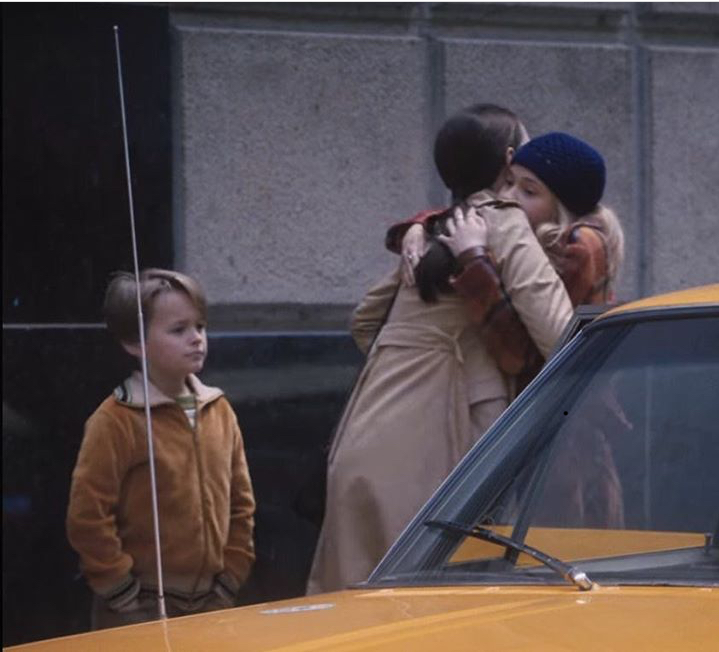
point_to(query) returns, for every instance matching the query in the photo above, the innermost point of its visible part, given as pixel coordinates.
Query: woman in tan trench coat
(558, 180)
(430, 388)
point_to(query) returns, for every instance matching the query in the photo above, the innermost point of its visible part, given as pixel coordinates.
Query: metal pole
(143, 350)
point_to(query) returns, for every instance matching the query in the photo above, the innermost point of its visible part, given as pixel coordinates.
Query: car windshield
(608, 461)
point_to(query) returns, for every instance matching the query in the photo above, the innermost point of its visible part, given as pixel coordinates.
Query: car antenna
(143, 350)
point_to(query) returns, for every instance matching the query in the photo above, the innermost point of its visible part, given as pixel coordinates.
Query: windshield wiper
(573, 575)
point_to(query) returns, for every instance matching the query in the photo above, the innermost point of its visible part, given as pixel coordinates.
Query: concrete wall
(304, 130)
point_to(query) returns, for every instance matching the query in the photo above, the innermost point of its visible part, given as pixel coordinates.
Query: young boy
(204, 494)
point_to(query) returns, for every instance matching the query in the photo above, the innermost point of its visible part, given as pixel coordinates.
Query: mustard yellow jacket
(205, 498)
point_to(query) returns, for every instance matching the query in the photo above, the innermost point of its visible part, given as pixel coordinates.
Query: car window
(610, 461)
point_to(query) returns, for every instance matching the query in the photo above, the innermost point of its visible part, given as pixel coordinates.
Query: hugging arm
(409, 239)
(490, 308)
(480, 285)
(582, 268)
(531, 282)
(514, 295)
(396, 232)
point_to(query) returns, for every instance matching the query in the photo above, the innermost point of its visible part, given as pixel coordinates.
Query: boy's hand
(124, 597)
(226, 588)
(466, 231)
(414, 245)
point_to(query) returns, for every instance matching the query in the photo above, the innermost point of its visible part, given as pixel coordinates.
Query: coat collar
(489, 197)
(132, 394)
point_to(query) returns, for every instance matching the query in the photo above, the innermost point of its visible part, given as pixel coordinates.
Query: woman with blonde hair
(558, 180)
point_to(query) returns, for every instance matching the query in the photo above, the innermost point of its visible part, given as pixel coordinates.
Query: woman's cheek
(534, 213)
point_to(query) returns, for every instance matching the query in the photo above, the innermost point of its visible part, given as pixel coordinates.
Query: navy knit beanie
(571, 169)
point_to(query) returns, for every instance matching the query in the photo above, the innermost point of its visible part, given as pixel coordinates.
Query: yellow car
(587, 518)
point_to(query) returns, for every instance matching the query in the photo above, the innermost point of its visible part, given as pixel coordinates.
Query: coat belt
(419, 336)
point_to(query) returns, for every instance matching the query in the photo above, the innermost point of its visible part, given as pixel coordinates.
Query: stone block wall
(303, 130)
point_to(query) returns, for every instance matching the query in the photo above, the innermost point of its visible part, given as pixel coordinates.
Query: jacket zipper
(201, 479)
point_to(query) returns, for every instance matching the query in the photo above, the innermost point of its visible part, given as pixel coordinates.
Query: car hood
(473, 618)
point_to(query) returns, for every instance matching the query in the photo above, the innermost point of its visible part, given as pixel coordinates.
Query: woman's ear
(509, 156)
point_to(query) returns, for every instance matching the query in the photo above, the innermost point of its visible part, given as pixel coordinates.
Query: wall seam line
(641, 92)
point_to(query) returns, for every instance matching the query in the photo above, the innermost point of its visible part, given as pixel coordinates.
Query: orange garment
(205, 498)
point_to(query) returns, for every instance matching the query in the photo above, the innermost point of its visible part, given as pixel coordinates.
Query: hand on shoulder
(466, 230)
(414, 245)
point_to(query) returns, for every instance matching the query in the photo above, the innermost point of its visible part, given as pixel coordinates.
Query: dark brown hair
(470, 153)
(120, 307)
(471, 147)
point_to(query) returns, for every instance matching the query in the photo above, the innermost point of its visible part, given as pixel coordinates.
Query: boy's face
(176, 338)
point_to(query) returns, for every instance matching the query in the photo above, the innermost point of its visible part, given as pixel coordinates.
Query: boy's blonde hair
(550, 233)
(120, 307)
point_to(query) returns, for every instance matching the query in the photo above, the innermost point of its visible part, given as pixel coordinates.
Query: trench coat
(428, 390)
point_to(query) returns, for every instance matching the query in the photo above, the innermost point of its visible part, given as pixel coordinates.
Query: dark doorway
(65, 205)
(65, 228)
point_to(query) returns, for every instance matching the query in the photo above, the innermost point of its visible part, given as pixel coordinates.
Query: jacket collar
(132, 394)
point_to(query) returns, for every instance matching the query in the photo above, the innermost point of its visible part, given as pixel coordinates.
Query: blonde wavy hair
(604, 218)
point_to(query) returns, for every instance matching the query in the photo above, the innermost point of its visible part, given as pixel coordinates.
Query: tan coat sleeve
(533, 286)
(239, 552)
(104, 458)
(370, 314)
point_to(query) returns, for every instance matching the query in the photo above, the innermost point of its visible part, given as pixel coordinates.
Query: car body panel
(423, 618)
(703, 295)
